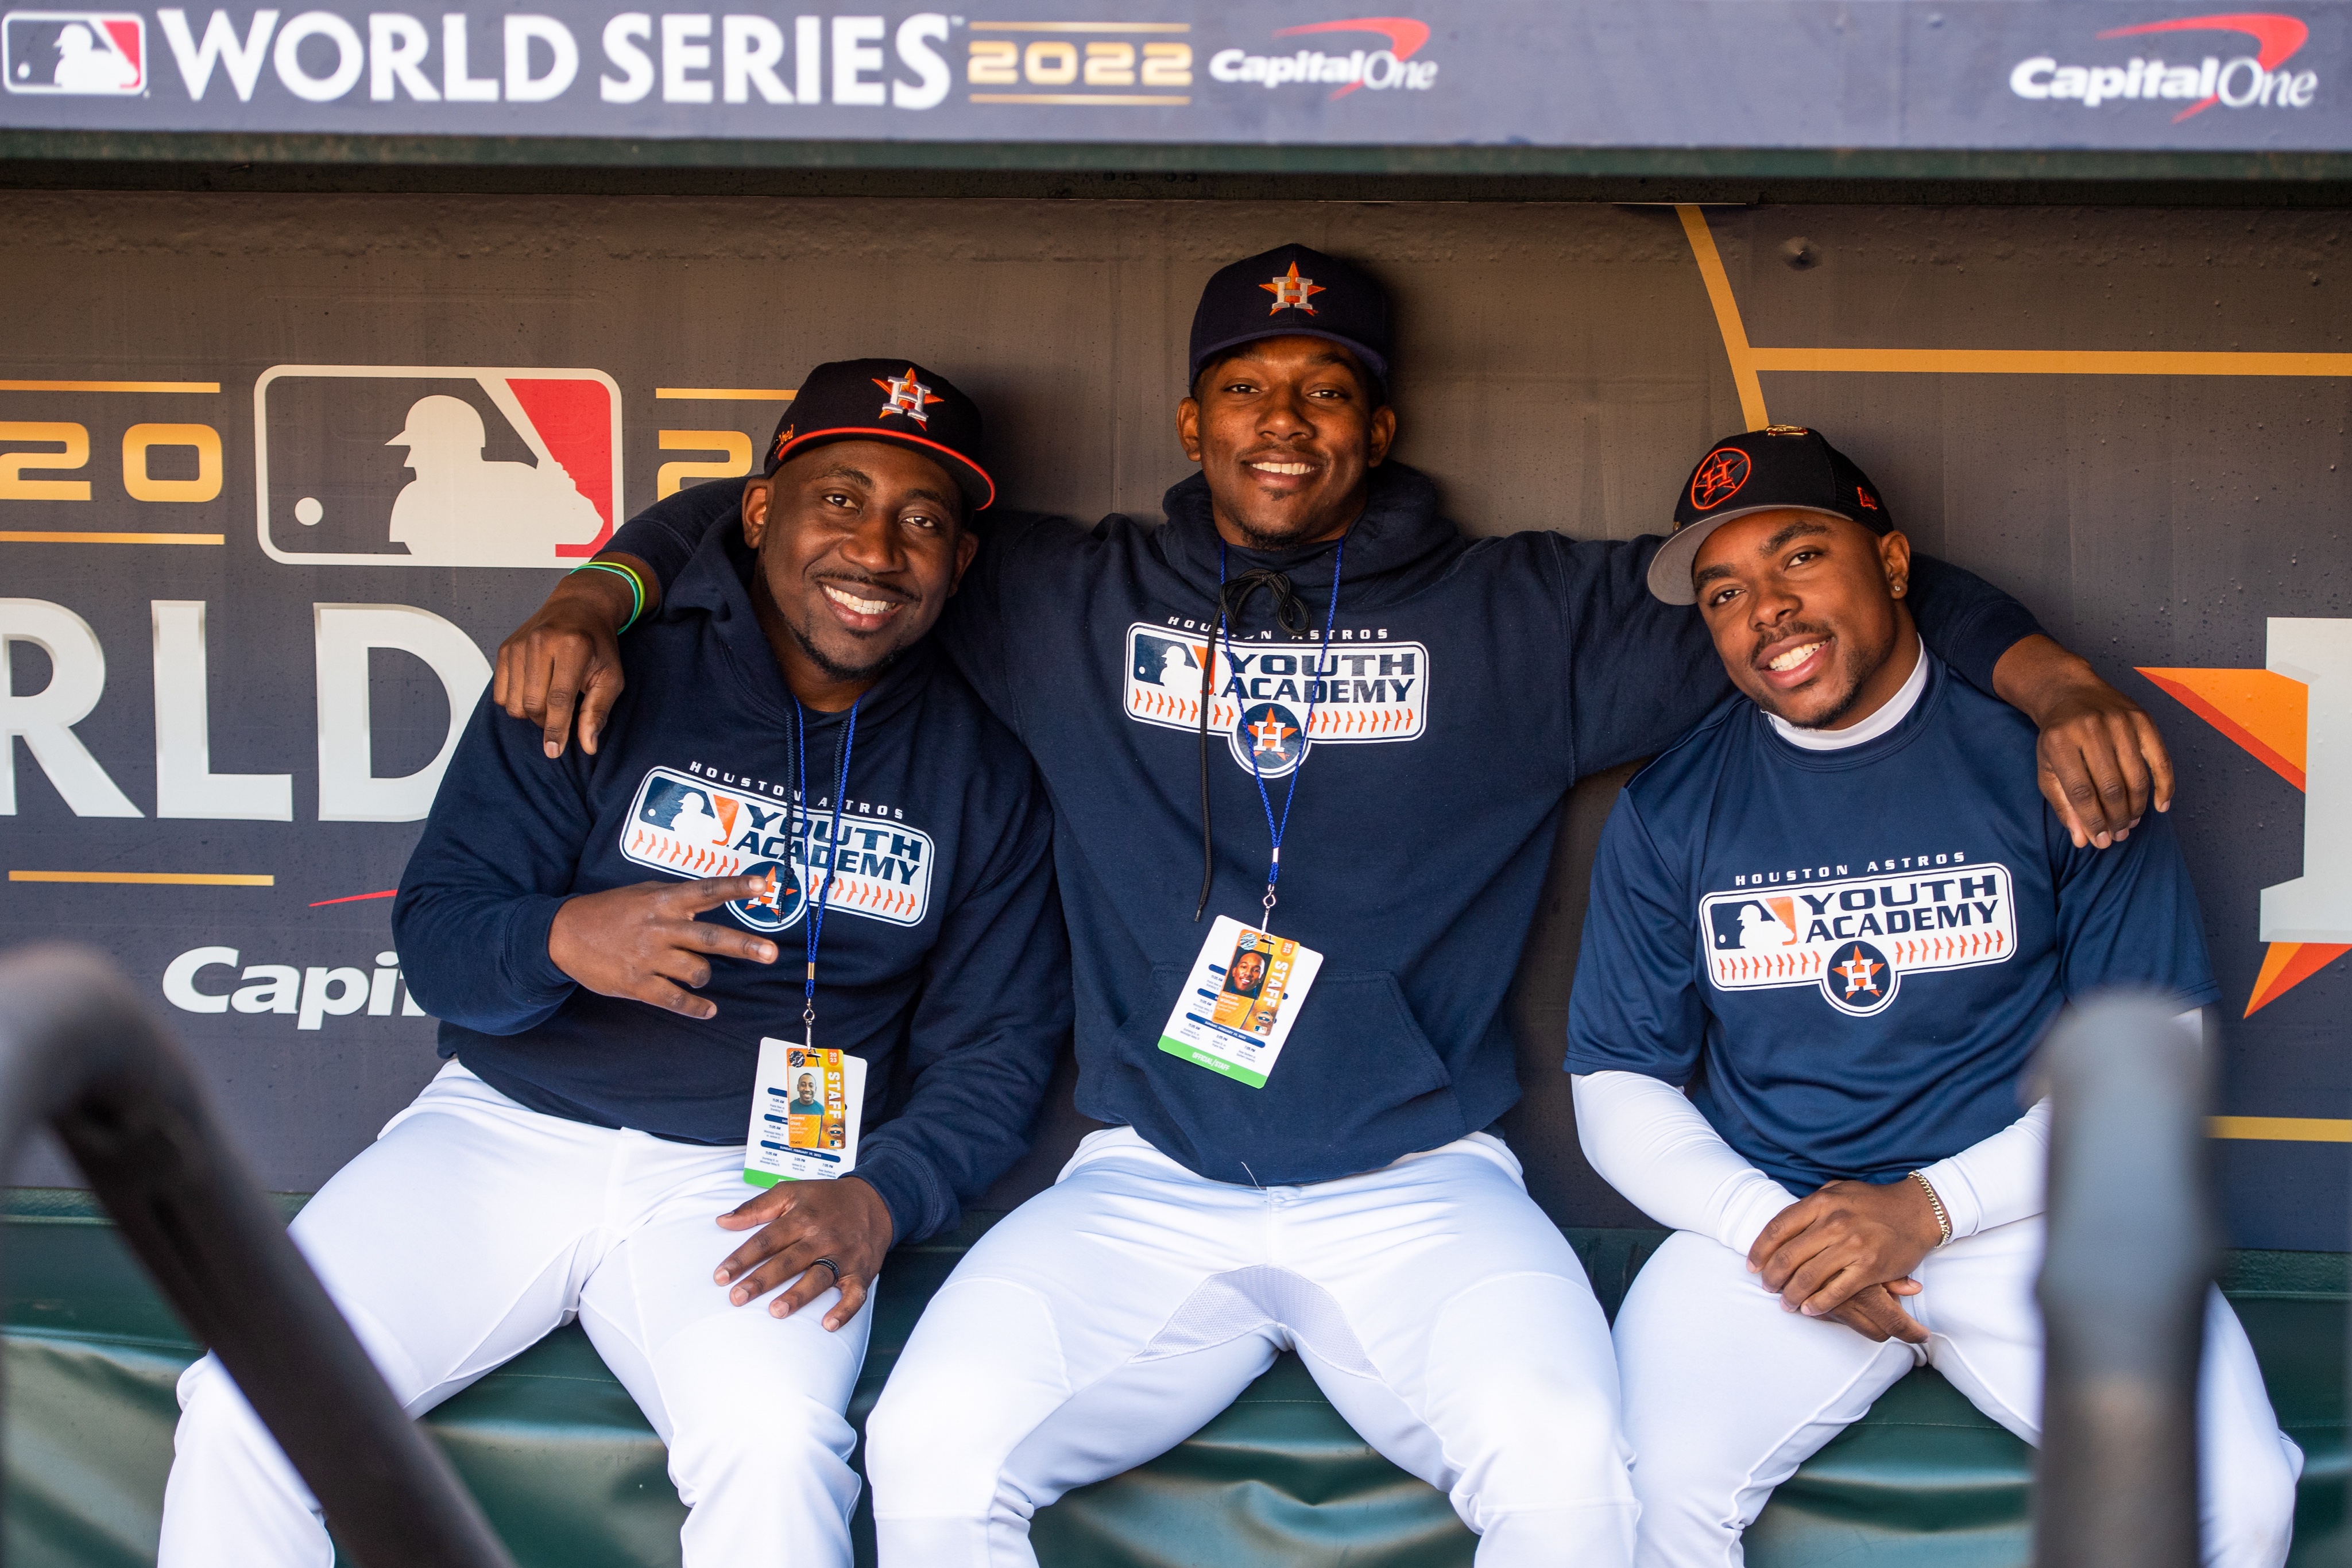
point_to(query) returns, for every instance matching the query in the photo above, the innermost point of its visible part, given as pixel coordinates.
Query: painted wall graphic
(1547, 73)
(278, 472)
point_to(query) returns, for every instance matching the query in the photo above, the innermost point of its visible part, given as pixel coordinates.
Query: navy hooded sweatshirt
(1470, 683)
(943, 961)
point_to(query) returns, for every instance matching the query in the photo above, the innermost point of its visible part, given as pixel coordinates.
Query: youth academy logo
(1855, 938)
(2295, 718)
(1362, 690)
(90, 54)
(2258, 80)
(706, 824)
(434, 465)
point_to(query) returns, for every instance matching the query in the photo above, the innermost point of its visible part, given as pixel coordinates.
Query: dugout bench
(573, 1477)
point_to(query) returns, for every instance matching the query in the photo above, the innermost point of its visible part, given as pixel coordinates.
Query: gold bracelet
(1943, 1221)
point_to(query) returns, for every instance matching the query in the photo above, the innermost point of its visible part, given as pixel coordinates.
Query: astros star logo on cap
(1291, 292)
(908, 396)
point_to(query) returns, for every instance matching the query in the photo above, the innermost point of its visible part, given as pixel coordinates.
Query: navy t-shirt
(1848, 955)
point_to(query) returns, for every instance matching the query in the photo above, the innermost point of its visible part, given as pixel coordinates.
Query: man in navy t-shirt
(1838, 914)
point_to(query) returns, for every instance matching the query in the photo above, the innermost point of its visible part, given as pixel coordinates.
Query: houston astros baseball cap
(886, 399)
(1782, 465)
(1291, 291)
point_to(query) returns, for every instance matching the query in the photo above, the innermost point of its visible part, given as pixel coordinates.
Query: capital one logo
(434, 465)
(2261, 79)
(2296, 717)
(1374, 67)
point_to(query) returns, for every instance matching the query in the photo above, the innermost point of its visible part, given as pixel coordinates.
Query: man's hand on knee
(643, 942)
(1850, 1236)
(1874, 1312)
(802, 1222)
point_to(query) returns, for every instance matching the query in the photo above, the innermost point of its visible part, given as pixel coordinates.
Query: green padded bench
(573, 1477)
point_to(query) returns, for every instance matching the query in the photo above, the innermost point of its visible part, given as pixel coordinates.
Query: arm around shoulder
(562, 666)
(2100, 762)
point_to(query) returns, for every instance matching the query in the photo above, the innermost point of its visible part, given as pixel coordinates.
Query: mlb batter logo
(90, 54)
(1855, 939)
(1259, 693)
(435, 464)
(698, 825)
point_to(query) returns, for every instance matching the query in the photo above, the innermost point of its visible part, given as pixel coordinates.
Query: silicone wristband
(636, 587)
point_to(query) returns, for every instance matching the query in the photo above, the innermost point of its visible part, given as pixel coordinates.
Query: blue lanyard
(814, 926)
(1274, 829)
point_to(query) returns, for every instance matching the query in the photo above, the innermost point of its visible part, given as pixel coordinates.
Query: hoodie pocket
(1354, 1038)
(1359, 1023)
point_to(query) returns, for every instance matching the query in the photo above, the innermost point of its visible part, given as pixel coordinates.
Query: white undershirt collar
(1894, 711)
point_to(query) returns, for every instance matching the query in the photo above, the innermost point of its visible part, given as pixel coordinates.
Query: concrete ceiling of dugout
(1561, 365)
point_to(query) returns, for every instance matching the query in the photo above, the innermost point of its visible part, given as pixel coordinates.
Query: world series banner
(1931, 74)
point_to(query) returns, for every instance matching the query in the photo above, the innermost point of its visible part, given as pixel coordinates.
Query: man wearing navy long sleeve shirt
(1308, 620)
(795, 776)
(1838, 914)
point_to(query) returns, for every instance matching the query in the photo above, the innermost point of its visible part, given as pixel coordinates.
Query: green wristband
(636, 587)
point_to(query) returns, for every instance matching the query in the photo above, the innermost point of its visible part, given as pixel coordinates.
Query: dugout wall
(231, 684)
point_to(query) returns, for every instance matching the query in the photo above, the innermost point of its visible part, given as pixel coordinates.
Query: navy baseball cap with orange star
(1291, 291)
(1779, 467)
(886, 399)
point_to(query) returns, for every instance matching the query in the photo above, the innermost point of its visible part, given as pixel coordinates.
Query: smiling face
(1284, 431)
(1248, 970)
(1804, 610)
(860, 545)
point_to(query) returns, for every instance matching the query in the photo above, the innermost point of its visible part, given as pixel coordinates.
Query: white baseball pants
(1726, 1392)
(463, 1236)
(1108, 1318)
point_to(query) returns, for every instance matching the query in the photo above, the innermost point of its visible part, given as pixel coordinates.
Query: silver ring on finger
(829, 1266)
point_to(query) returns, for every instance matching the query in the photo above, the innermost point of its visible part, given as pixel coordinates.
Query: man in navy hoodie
(795, 774)
(1308, 707)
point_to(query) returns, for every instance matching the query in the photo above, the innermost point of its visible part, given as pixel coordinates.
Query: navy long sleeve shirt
(1468, 684)
(1850, 956)
(944, 962)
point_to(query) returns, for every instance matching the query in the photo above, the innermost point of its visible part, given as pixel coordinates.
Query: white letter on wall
(349, 790)
(186, 784)
(45, 718)
(2318, 905)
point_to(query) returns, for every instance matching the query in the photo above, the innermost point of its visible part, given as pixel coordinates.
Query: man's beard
(1270, 544)
(836, 671)
(1855, 679)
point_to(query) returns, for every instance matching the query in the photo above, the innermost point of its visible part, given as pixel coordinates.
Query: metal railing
(2132, 1245)
(80, 1051)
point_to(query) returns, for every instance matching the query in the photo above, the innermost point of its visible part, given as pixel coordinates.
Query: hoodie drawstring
(1232, 597)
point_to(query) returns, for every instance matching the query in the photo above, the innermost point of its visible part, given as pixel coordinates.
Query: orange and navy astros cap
(1779, 467)
(1291, 291)
(886, 399)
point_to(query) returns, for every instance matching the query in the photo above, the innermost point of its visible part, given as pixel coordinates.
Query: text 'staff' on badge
(87, 54)
(435, 464)
(1856, 937)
